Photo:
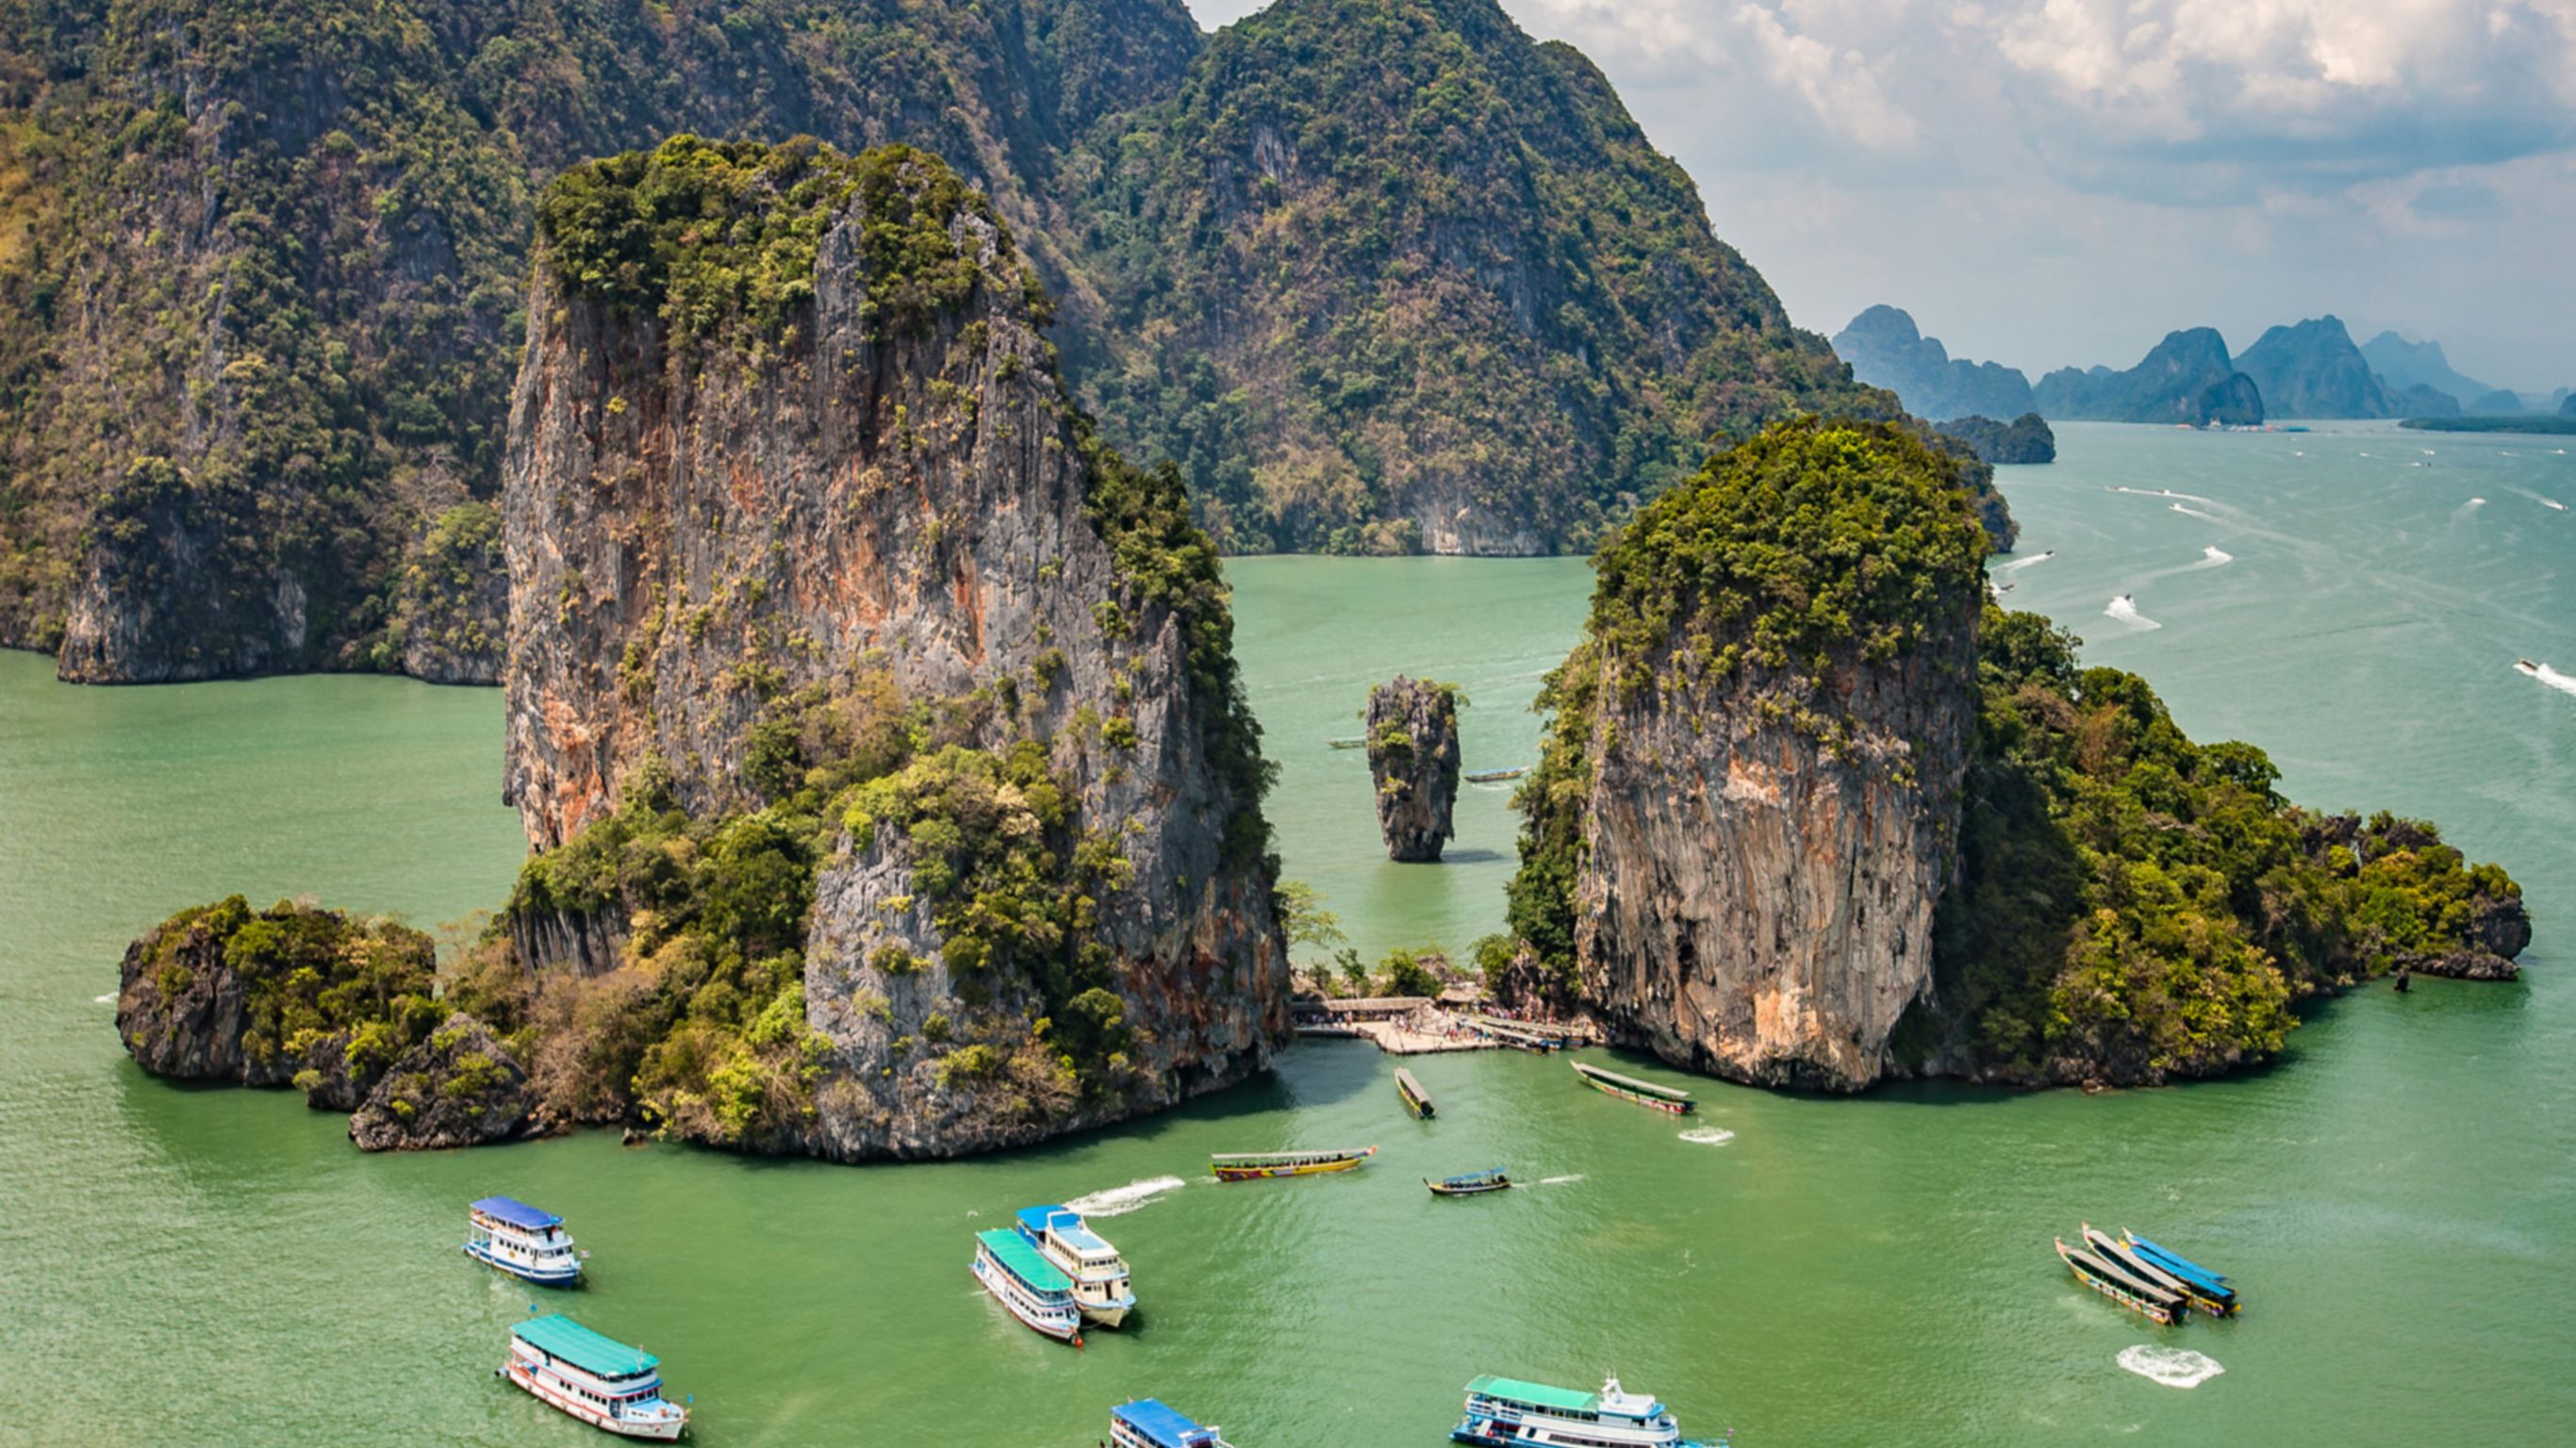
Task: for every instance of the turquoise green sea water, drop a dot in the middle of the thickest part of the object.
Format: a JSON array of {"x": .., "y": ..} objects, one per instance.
[{"x": 2396, "y": 1197}]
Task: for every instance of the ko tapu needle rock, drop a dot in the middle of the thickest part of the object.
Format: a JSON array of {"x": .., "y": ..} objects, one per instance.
[
  {"x": 1413, "y": 761},
  {"x": 861, "y": 699}
]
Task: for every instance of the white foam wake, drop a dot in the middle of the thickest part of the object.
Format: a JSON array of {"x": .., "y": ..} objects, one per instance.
[
  {"x": 2125, "y": 609},
  {"x": 2196, "y": 513},
  {"x": 1709, "y": 1135},
  {"x": 2216, "y": 557},
  {"x": 2166, "y": 493},
  {"x": 2175, "y": 1367},
  {"x": 105, "y": 1000},
  {"x": 2018, "y": 564},
  {"x": 1119, "y": 1201},
  {"x": 2549, "y": 676},
  {"x": 1559, "y": 1181}
]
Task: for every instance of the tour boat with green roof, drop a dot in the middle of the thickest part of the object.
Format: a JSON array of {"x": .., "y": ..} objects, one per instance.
[
  {"x": 1035, "y": 1290},
  {"x": 1510, "y": 1413},
  {"x": 1629, "y": 1088},
  {"x": 1149, "y": 1423},
  {"x": 1100, "y": 1287},
  {"x": 597, "y": 1379},
  {"x": 1244, "y": 1166},
  {"x": 521, "y": 1240}
]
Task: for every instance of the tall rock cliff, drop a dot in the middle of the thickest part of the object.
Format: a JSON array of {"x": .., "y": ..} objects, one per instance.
[
  {"x": 1885, "y": 350},
  {"x": 1413, "y": 762},
  {"x": 889, "y": 721},
  {"x": 2186, "y": 378},
  {"x": 1747, "y": 803},
  {"x": 2312, "y": 369}
]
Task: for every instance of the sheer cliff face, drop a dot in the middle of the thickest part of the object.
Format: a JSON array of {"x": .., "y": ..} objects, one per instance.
[
  {"x": 1754, "y": 905},
  {"x": 889, "y": 489},
  {"x": 1746, "y": 807},
  {"x": 1413, "y": 761}
]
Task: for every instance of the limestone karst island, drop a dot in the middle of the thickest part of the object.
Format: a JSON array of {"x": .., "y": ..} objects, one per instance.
[{"x": 1327, "y": 724}]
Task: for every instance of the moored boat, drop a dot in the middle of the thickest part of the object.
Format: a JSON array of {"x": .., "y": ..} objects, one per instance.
[
  {"x": 522, "y": 1240},
  {"x": 1491, "y": 1179},
  {"x": 1510, "y": 1413},
  {"x": 2208, "y": 1289},
  {"x": 597, "y": 1379},
  {"x": 2134, "y": 1293},
  {"x": 1416, "y": 1100},
  {"x": 2128, "y": 1259},
  {"x": 1100, "y": 1286},
  {"x": 1629, "y": 1088},
  {"x": 1151, "y": 1423},
  {"x": 1035, "y": 1290},
  {"x": 1244, "y": 1166}
]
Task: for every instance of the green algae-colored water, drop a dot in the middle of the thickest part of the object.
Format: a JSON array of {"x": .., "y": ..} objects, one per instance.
[{"x": 2396, "y": 1198}]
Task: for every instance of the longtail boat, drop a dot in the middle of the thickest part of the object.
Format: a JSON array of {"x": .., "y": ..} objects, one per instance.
[
  {"x": 1494, "y": 776},
  {"x": 1150, "y": 1423},
  {"x": 1244, "y": 1166},
  {"x": 2207, "y": 1289},
  {"x": 1519, "y": 1038},
  {"x": 1416, "y": 1100},
  {"x": 2134, "y": 1293},
  {"x": 1491, "y": 1179},
  {"x": 1629, "y": 1088}
]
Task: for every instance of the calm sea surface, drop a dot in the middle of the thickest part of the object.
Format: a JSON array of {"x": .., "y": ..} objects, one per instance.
[{"x": 2397, "y": 1198}]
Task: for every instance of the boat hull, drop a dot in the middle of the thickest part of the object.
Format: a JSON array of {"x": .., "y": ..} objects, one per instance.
[
  {"x": 2149, "y": 1308},
  {"x": 560, "y": 1277},
  {"x": 995, "y": 1281},
  {"x": 1112, "y": 1316},
  {"x": 1250, "y": 1172},
  {"x": 1673, "y": 1108},
  {"x": 664, "y": 1431}
]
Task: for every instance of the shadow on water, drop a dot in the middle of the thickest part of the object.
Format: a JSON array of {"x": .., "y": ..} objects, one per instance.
[{"x": 1469, "y": 857}]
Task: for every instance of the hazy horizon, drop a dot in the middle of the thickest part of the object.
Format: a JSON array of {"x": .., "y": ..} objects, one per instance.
[{"x": 2046, "y": 183}]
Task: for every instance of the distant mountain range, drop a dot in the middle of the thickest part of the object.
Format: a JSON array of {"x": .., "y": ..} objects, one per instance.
[{"x": 2305, "y": 369}]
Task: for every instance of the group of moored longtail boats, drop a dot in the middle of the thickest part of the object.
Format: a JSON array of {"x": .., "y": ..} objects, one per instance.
[{"x": 2149, "y": 1280}]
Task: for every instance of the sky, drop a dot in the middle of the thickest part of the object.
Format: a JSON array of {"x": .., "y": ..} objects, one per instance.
[{"x": 2054, "y": 182}]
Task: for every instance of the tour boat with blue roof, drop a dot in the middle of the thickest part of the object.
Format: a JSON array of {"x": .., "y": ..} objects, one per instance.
[
  {"x": 597, "y": 1379},
  {"x": 1100, "y": 1286},
  {"x": 1510, "y": 1413},
  {"x": 1035, "y": 1290},
  {"x": 523, "y": 1241},
  {"x": 1149, "y": 1423},
  {"x": 2207, "y": 1290}
]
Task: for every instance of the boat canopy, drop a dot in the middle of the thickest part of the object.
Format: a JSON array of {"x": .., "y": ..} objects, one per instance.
[
  {"x": 604, "y": 1357},
  {"x": 1486, "y": 1175},
  {"x": 1022, "y": 1260},
  {"x": 1162, "y": 1425},
  {"x": 1065, "y": 1222},
  {"x": 1284, "y": 1158},
  {"x": 1513, "y": 1390},
  {"x": 517, "y": 1213},
  {"x": 1632, "y": 1083}
]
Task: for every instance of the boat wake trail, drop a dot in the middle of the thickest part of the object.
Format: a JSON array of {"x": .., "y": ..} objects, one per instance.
[
  {"x": 2551, "y": 503},
  {"x": 2196, "y": 513},
  {"x": 2018, "y": 564},
  {"x": 2547, "y": 675},
  {"x": 2214, "y": 557},
  {"x": 105, "y": 1000},
  {"x": 1559, "y": 1181},
  {"x": 2465, "y": 509},
  {"x": 2125, "y": 609},
  {"x": 1709, "y": 1135},
  {"x": 2166, "y": 493},
  {"x": 1119, "y": 1201},
  {"x": 2172, "y": 1366}
]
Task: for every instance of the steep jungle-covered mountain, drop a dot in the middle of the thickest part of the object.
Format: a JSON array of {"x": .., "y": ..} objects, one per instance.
[
  {"x": 260, "y": 292},
  {"x": 1381, "y": 274},
  {"x": 1388, "y": 275}
]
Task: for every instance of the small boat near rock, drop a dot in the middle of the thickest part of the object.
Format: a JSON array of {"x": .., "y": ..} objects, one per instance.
[
  {"x": 1473, "y": 1183},
  {"x": 597, "y": 1379},
  {"x": 1629, "y": 1088},
  {"x": 2207, "y": 1290},
  {"x": 1416, "y": 1100},
  {"x": 2121, "y": 1286},
  {"x": 1509, "y": 1413},
  {"x": 1100, "y": 1286},
  {"x": 1245, "y": 1166},
  {"x": 524, "y": 1241},
  {"x": 1034, "y": 1289},
  {"x": 1495, "y": 776},
  {"x": 1151, "y": 1423}
]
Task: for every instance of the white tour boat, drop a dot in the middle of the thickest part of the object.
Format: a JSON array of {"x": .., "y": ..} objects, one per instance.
[
  {"x": 1150, "y": 1423},
  {"x": 1033, "y": 1288},
  {"x": 599, "y": 1380},
  {"x": 523, "y": 1241},
  {"x": 1509, "y": 1413},
  {"x": 1100, "y": 1286}
]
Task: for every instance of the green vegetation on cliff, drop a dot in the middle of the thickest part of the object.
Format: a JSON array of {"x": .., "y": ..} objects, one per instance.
[
  {"x": 1808, "y": 548},
  {"x": 2026, "y": 439},
  {"x": 2133, "y": 906}
]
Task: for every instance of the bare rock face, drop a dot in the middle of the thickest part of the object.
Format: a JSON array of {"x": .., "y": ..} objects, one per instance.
[
  {"x": 1747, "y": 806},
  {"x": 1413, "y": 759},
  {"x": 179, "y": 1006},
  {"x": 459, "y": 1087},
  {"x": 710, "y": 534}
]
